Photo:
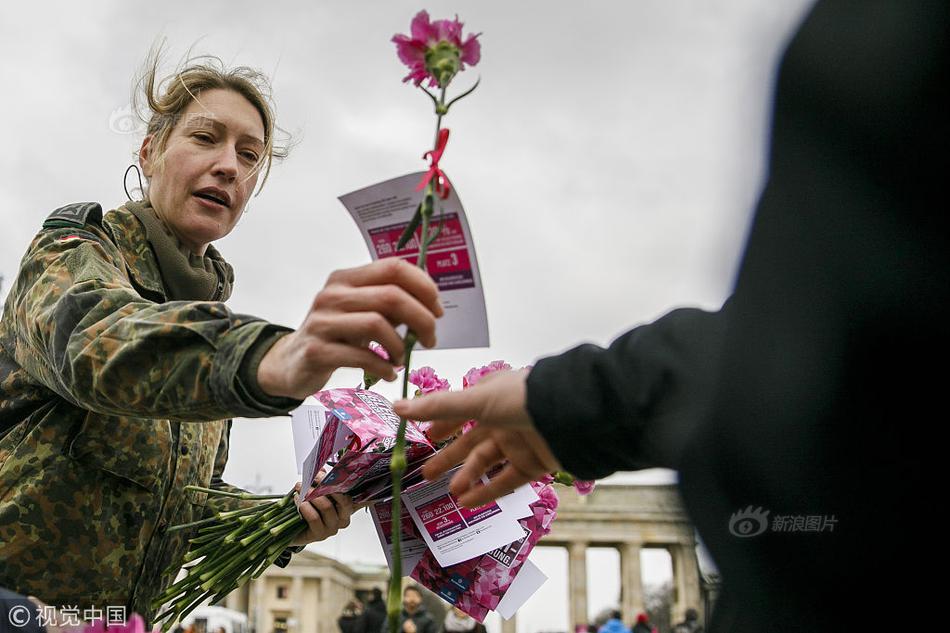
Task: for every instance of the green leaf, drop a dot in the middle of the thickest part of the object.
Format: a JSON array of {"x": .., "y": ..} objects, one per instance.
[{"x": 410, "y": 228}]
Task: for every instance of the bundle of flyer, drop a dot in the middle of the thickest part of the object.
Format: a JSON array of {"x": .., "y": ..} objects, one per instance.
[{"x": 474, "y": 558}]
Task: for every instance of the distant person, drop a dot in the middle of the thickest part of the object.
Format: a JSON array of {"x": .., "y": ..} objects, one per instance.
[
  {"x": 614, "y": 624},
  {"x": 457, "y": 621},
  {"x": 351, "y": 620},
  {"x": 643, "y": 624},
  {"x": 414, "y": 617},
  {"x": 374, "y": 611},
  {"x": 690, "y": 624}
]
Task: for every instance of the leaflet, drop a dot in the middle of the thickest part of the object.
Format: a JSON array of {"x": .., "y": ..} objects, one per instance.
[
  {"x": 307, "y": 422},
  {"x": 411, "y": 543},
  {"x": 524, "y": 585},
  {"x": 383, "y": 211},
  {"x": 455, "y": 533}
]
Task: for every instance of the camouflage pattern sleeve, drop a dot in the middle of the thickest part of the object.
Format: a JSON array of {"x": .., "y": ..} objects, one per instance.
[{"x": 86, "y": 334}]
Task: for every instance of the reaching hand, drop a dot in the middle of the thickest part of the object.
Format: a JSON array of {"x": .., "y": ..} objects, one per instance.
[
  {"x": 357, "y": 305},
  {"x": 325, "y": 516},
  {"x": 504, "y": 432}
]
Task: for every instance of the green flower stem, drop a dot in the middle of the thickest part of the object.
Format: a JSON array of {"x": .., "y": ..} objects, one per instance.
[
  {"x": 194, "y": 554},
  {"x": 398, "y": 464},
  {"x": 289, "y": 522},
  {"x": 220, "y": 516},
  {"x": 246, "y": 496},
  {"x": 237, "y": 561}
]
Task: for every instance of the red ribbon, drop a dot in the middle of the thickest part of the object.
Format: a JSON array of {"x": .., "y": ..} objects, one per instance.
[{"x": 441, "y": 183}]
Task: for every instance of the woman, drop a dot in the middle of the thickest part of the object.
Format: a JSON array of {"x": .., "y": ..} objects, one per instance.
[{"x": 120, "y": 365}]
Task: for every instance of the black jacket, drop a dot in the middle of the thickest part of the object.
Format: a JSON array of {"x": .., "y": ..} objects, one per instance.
[{"x": 812, "y": 396}]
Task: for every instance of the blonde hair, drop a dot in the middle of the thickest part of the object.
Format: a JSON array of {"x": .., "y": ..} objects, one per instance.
[{"x": 168, "y": 98}]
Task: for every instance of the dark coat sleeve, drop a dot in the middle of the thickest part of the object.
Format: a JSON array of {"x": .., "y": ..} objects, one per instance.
[{"x": 632, "y": 405}]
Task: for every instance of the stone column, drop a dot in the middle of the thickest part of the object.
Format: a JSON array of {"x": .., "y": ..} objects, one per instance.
[
  {"x": 577, "y": 584},
  {"x": 509, "y": 626},
  {"x": 257, "y": 596},
  {"x": 296, "y": 596},
  {"x": 323, "y": 606},
  {"x": 631, "y": 584},
  {"x": 685, "y": 580}
]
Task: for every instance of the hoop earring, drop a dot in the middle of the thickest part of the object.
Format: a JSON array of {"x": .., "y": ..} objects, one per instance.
[{"x": 125, "y": 177}]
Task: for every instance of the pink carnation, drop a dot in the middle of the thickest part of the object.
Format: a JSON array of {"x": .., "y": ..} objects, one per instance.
[
  {"x": 425, "y": 38},
  {"x": 475, "y": 374},
  {"x": 584, "y": 487},
  {"x": 426, "y": 379}
]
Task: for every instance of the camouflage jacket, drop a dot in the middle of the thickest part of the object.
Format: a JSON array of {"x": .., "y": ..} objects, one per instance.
[{"x": 112, "y": 400}]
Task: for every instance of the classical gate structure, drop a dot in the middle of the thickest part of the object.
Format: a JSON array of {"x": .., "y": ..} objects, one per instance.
[{"x": 627, "y": 518}]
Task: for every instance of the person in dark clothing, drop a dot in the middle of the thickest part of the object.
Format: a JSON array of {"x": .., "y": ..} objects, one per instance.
[
  {"x": 374, "y": 611},
  {"x": 351, "y": 620},
  {"x": 800, "y": 415},
  {"x": 642, "y": 624},
  {"x": 414, "y": 618},
  {"x": 690, "y": 623}
]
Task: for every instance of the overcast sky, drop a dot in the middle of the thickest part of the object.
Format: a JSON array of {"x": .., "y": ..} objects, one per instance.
[{"x": 609, "y": 164}]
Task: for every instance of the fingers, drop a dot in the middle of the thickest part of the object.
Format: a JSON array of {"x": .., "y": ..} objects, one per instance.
[
  {"x": 392, "y": 302},
  {"x": 498, "y": 400},
  {"x": 343, "y": 355},
  {"x": 356, "y": 329},
  {"x": 479, "y": 461},
  {"x": 451, "y": 455},
  {"x": 393, "y": 271},
  {"x": 499, "y": 486},
  {"x": 445, "y": 406},
  {"x": 325, "y": 516},
  {"x": 344, "y": 509}
]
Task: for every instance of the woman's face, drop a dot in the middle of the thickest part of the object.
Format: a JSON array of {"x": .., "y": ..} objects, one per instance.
[{"x": 210, "y": 152}]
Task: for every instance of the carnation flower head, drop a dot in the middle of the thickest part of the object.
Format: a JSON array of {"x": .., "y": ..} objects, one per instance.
[
  {"x": 370, "y": 379},
  {"x": 584, "y": 487},
  {"x": 435, "y": 50},
  {"x": 475, "y": 374},
  {"x": 427, "y": 380}
]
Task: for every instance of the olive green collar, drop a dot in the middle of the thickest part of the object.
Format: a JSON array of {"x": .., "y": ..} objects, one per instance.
[{"x": 159, "y": 263}]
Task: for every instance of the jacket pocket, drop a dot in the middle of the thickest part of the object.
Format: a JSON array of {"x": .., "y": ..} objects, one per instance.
[
  {"x": 136, "y": 450},
  {"x": 202, "y": 439}
]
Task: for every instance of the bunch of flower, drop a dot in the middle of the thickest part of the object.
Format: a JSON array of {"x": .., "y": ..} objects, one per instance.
[{"x": 229, "y": 549}]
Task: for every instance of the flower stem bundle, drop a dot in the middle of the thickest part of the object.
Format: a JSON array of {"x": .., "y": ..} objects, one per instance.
[{"x": 229, "y": 549}]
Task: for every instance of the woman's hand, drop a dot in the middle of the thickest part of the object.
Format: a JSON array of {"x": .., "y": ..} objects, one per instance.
[
  {"x": 325, "y": 516},
  {"x": 357, "y": 305},
  {"x": 505, "y": 432}
]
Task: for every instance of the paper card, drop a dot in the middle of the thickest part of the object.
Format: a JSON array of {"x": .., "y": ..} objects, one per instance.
[
  {"x": 518, "y": 503},
  {"x": 333, "y": 437},
  {"x": 382, "y": 211},
  {"x": 525, "y": 585},
  {"x": 452, "y": 532},
  {"x": 486, "y": 579},
  {"x": 307, "y": 422},
  {"x": 368, "y": 415},
  {"x": 358, "y": 470},
  {"x": 411, "y": 544}
]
